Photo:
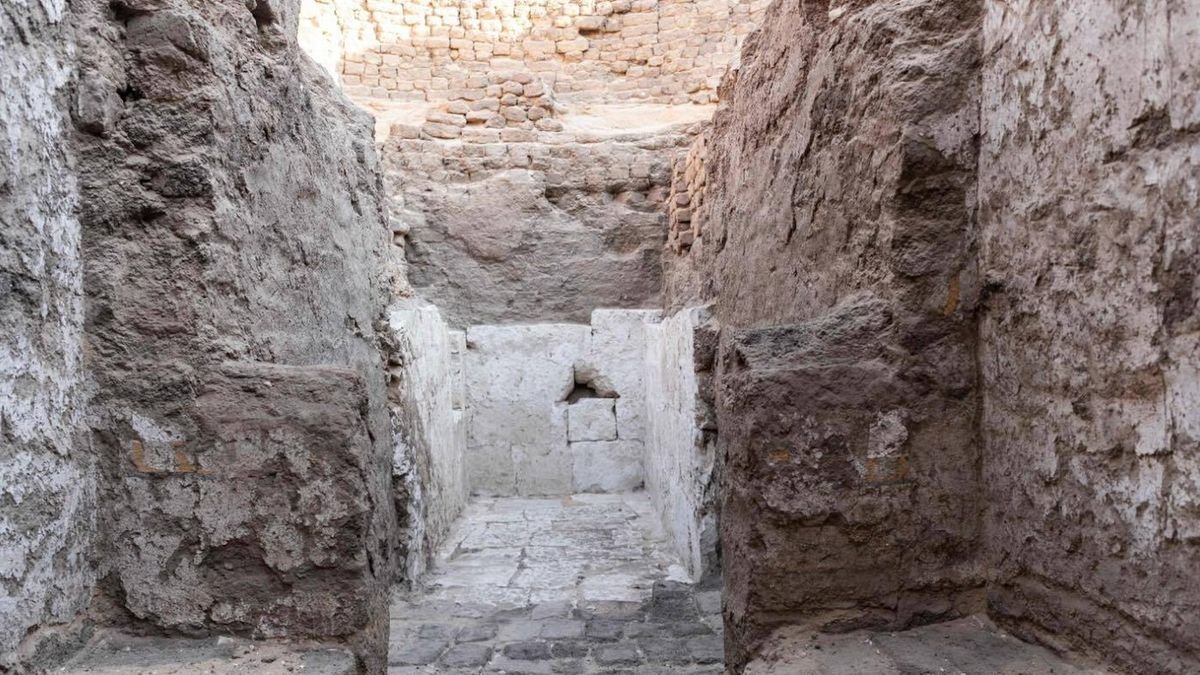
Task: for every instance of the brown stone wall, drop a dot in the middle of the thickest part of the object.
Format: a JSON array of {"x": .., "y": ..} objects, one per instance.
[
  {"x": 234, "y": 239},
  {"x": 838, "y": 240},
  {"x": 664, "y": 51},
  {"x": 1091, "y": 335},
  {"x": 510, "y": 225}
]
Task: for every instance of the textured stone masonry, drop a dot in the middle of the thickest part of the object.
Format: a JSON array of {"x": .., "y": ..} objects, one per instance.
[{"x": 662, "y": 51}]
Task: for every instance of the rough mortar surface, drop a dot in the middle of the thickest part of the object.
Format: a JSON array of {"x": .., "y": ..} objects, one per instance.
[
  {"x": 1090, "y": 342},
  {"x": 838, "y": 244},
  {"x": 47, "y": 476},
  {"x": 237, "y": 265}
]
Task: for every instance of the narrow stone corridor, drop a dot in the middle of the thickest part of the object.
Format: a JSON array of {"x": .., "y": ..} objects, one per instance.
[
  {"x": 625, "y": 337},
  {"x": 578, "y": 584}
]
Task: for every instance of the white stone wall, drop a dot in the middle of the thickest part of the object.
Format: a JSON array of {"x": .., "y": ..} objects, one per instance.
[
  {"x": 430, "y": 449},
  {"x": 680, "y": 434},
  {"x": 557, "y": 408}
]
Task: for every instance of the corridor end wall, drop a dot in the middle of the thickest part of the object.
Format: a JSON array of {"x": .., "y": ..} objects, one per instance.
[{"x": 555, "y": 409}]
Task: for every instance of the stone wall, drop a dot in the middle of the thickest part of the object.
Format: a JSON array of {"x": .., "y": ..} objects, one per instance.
[
  {"x": 235, "y": 244},
  {"x": 512, "y": 225},
  {"x": 47, "y": 476},
  {"x": 428, "y": 407},
  {"x": 556, "y": 409},
  {"x": 680, "y": 459},
  {"x": 663, "y": 51},
  {"x": 839, "y": 245},
  {"x": 1091, "y": 334}
]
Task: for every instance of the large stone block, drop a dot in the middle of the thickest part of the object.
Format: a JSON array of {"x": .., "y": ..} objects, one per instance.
[
  {"x": 518, "y": 379},
  {"x": 264, "y": 522},
  {"x": 607, "y": 466},
  {"x": 592, "y": 419}
]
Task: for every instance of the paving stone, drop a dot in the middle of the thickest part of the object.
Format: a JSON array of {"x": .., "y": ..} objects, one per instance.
[
  {"x": 706, "y": 650},
  {"x": 471, "y": 654},
  {"x": 515, "y": 631},
  {"x": 551, "y": 610},
  {"x": 664, "y": 650},
  {"x": 688, "y": 629},
  {"x": 674, "y": 609},
  {"x": 604, "y": 630},
  {"x": 562, "y": 628},
  {"x": 434, "y": 631},
  {"x": 709, "y": 602},
  {"x": 506, "y": 666},
  {"x": 417, "y": 653},
  {"x": 477, "y": 632},
  {"x": 569, "y": 649},
  {"x": 610, "y": 610},
  {"x": 530, "y": 650},
  {"x": 568, "y": 667},
  {"x": 622, "y": 654},
  {"x": 486, "y": 606}
]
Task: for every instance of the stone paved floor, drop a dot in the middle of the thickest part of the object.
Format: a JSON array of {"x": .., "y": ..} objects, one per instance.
[{"x": 581, "y": 584}]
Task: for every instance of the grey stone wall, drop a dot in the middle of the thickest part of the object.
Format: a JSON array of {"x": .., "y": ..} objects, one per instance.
[
  {"x": 839, "y": 225},
  {"x": 47, "y": 480},
  {"x": 1090, "y": 340},
  {"x": 235, "y": 243}
]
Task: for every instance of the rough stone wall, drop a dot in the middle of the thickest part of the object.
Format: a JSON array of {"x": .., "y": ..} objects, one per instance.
[
  {"x": 1091, "y": 336},
  {"x": 680, "y": 458},
  {"x": 839, "y": 243},
  {"x": 235, "y": 240},
  {"x": 663, "y": 51},
  {"x": 556, "y": 409},
  {"x": 428, "y": 406},
  {"x": 47, "y": 480},
  {"x": 509, "y": 225}
]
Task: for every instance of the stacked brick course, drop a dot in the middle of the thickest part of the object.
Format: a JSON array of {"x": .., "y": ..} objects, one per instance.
[
  {"x": 660, "y": 51},
  {"x": 685, "y": 205}
]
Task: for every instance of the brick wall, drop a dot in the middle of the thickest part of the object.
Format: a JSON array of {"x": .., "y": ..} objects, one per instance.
[{"x": 661, "y": 51}]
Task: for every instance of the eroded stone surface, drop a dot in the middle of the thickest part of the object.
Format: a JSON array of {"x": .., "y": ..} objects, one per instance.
[
  {"x": 969, "y": 645},
  {"x": 581, "y": 584},
  {"x": 838, "y": 245},
  {"x": 237, "y": 266},
  {"x": 1091, "y": 338},
  {"x": 47, "y": 473},
  {"x": 111, "y": 653}
]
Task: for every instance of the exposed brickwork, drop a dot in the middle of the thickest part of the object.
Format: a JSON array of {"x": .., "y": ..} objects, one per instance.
[{"x": 665, "y": 51}]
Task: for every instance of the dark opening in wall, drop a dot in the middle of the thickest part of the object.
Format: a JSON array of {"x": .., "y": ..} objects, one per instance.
[
  {"x": 264, "y": 14},
  {"x": 589, "y": 383}
]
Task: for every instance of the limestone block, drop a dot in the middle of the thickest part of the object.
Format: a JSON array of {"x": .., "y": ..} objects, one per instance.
[
  {"x": 517, "y": 381},
  {"x": 607, "y": 466},
  {"x": 592, "y": 419},
  {"x": 443, "y": 131},
  {"x": 446, "y": 118}
]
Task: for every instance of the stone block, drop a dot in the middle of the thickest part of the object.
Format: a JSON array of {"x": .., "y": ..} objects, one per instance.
[
  {"x": 607, "y": 466},
  {"x": 442, "y": 131},
  {"x": 592, "y": 419},
  {"x": 446, "y": 118}
]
